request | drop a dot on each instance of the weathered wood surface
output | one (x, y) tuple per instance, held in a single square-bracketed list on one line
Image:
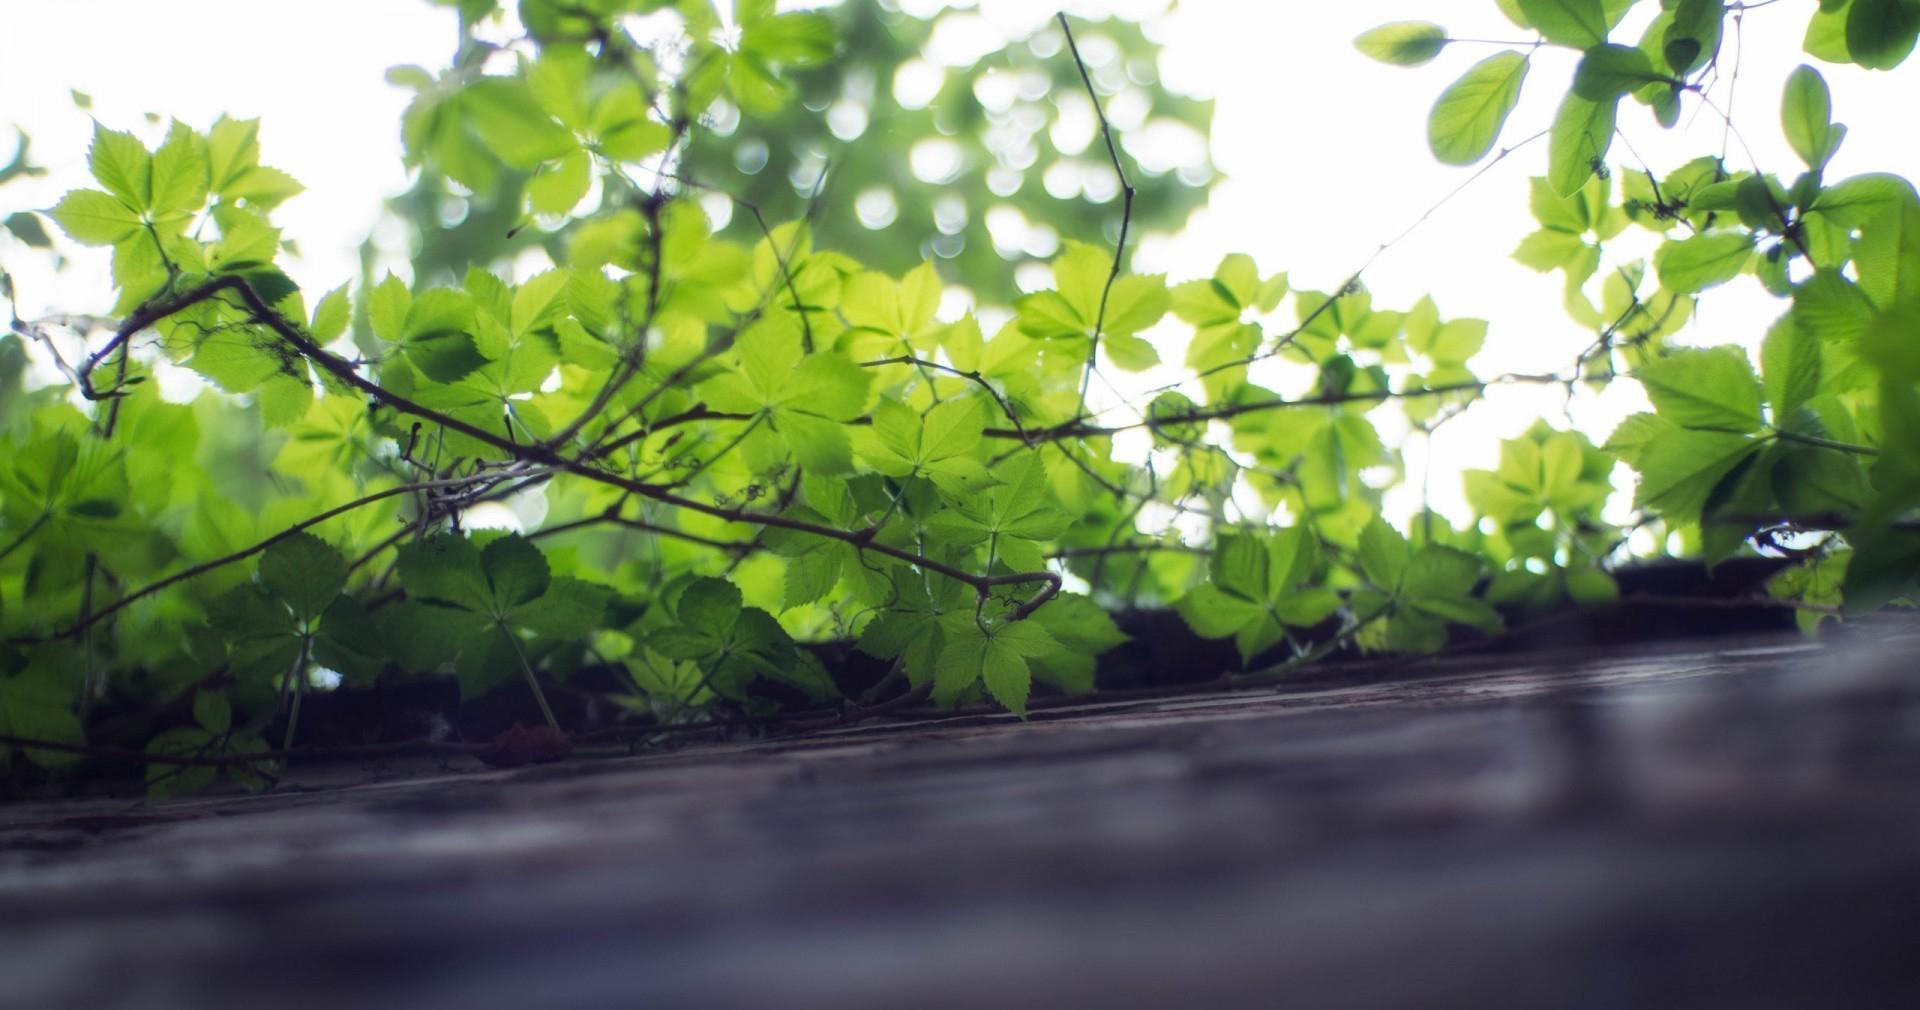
[(1692, 825)]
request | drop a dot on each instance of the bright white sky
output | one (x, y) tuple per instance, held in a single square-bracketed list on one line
[(1324, 151)]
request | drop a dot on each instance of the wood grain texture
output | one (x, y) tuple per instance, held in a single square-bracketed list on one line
[(1728, 823)]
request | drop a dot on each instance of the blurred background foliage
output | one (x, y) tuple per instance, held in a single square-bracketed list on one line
[(996, 158)]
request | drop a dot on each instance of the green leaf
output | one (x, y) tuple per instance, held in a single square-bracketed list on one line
[(516, 572), (91, 217), (180, 175), (998, 659), (1790, 364), (560, 82), (1467, 118), (387, 309), (445, 567), (330, 316), (1576, 23), (1257, 590), (1693, 37), (570, 608), (1439, 583), (821, 446), (1384, 555), (951, 428), (829, 385), (1131, 354), (512, 124), (27, 228), (304, 571), (233, 150), (709, 604), (1679, 467), (1019, 507), (1806, 114), (38, 703), (1831, 308), (1702, 261), (1712, 389), (1888, 255), (1077, 623), (1880, 33), (1403, 43), (1582, 132), (1854, 201), (1606, 72), (123, 166), (1882, 570), (212, 711), (679, 682), (1212, 612), (350, 641), (560, 185), (1049, 314), (1136, 302), (438, 334), (625, 130), (479, 603)]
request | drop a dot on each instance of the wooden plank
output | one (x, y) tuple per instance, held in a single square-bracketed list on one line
[(1692, 826)]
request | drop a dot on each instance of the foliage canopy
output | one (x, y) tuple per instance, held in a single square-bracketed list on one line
[(724, 444)]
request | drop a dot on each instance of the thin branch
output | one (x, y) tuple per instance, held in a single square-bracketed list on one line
[(26, 534), (971, 375), (246, 552), (1347, 286), (1126, 209), (613, 517), (534, 453), (1075, 429)]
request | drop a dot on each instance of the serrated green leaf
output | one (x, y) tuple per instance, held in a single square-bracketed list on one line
[(512, 124), (330, 316), (91, 217), (350, 641), (1680, 468), (560, 185), (212, 711), (37, 703), (1383, 554), (121, 164), (1713, 389), (516, 572), (1790, 364), (1888, 254), (179, 173), (445, 567), (569, 608), (305, 572)]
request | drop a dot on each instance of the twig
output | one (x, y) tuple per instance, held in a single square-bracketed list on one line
[(1126, 210), (242, 554)]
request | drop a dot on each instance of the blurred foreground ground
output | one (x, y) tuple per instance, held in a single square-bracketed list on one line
[(1731, 823)]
